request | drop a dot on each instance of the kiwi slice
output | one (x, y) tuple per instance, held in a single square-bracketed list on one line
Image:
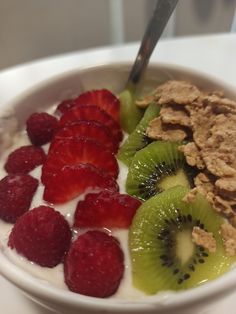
[(155, 168), (138, 139), (163, 254), (130, 113)]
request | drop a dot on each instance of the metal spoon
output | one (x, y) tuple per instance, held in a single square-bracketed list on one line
[(130, 113), (156, 25)]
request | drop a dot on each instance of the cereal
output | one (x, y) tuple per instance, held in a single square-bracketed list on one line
[(204, 239), (208, 122)]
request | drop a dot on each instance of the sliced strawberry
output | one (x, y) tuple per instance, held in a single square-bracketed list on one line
[(106, 209), (65, 105), (70, 152), (94, 113), (89, 129), (94, 265), (102, 98), (72, 181)]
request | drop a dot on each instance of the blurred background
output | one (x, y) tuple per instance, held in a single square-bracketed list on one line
[(32, 29)]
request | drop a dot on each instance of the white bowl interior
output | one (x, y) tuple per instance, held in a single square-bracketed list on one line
[(113, 77), (69, 84)]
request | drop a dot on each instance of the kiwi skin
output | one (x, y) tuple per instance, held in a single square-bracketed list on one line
[(155, 265), (157, 167), (138, 139), (130, 114)]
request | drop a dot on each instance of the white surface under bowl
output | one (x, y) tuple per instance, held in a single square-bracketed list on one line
[(113, 77)]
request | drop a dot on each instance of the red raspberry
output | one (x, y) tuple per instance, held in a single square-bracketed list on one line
[(89, 129), (65, 105), (102, 98), (106, 209), (94, 265), (94, 113), (25, 159), (72, 181), (41, 127), (16, 193), (70, 152), (42, 235)]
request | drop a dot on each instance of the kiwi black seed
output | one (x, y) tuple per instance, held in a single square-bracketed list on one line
[(155, 168), (138, 139), (163, 254)]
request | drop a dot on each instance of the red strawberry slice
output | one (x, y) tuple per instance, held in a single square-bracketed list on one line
[(72, 181), (89, 129), (106, 210), (69, 152), (94, 113), (102, 98), (94, 265)]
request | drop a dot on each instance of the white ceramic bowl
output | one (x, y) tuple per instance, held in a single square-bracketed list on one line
[(113, 77)]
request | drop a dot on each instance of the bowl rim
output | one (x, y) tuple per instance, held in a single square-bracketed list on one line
[(55, 79), (36, 287)]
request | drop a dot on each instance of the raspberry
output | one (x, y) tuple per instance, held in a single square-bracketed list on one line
[(94, 113), (89, 129), (106, 209), (16, 193), (41, 127), (25, 159), (94, 265), (65, 105), (42, 235), (72, 181), (70, 152), (102, 98)]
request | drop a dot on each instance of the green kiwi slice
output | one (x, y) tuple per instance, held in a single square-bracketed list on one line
[(130, 113), (163, 254), (155, 168), (138, 139)]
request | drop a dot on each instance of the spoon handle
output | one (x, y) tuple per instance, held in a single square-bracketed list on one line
[(156, 25)]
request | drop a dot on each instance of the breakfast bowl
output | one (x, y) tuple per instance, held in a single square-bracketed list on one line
[(48, 289)]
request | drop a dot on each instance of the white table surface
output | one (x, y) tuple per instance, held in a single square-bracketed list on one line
[(215, 54)]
